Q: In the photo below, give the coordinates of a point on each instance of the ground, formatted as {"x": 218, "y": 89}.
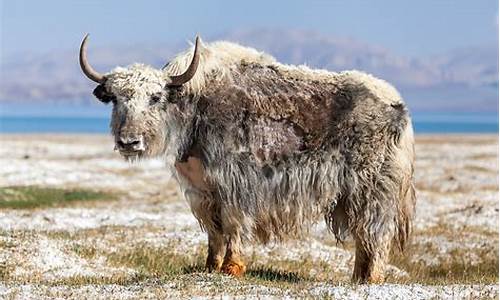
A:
{"x": 76, "y": 221}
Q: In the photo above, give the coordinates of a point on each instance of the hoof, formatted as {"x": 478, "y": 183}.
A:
{"x": 374, "y": 278}
{"x": 234, "y": 268}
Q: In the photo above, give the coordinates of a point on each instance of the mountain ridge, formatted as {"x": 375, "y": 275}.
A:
{"x": 460, "y": 79}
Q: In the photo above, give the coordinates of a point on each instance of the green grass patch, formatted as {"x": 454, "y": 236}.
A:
{"x": 26, "y": 197}
{"x": 159, "y": 262}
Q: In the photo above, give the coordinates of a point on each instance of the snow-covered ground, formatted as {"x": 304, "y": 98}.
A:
{"x": 457, "y": 213}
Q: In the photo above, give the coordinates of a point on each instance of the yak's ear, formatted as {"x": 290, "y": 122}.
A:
{"x": 103, "y": 95}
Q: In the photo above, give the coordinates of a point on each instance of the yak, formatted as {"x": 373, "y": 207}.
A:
{"x": 262, "y": 149}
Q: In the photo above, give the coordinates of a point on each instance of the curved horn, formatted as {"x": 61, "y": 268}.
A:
{"x": 86, "y": 67}
{"x": 178, "y": 80}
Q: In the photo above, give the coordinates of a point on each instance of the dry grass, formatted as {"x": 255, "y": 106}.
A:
{"x": 453, "y": 270}
{"x": 5, "y": 269}
{"x": 167, "y": 262}
{"x": 454, "y": 266}
{"x": 480, "y": 169}
{"x": 118, "y": 279}
{"x": 5, "y": 272}
{"x": 183, "y": 271}
{"x": 484, "y": 156}
{"x": 157, "y": 262}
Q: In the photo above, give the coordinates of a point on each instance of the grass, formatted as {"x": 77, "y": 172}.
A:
{"x": 118, "y": 279}
{"x": 167, "y": 262}
{"x": 83, "y": 251}
{"x": 4, "y": 272}
{"x": 5, "y": 268}
{"x": 271, "y": 274}
{"x": 171, "y": 263}
{"x": 163, "y": 264}
{"x": 158, "y": 262}
{"x": 304, "y": 270}
{"x": 27, "y": 197}
{"x": 453, "y": 270}
{"x": 456, "y": 267}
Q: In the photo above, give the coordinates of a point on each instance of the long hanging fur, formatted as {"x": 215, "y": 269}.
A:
{"x": 280, "y": 145}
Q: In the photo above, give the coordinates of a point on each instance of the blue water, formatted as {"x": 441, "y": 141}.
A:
{"x": 423, "y": 123}
{"x": 54, "y": 124}
{"x": 455, "y": 122}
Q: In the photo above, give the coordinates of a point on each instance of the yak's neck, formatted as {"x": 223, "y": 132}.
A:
{"x": 182, "y": 127}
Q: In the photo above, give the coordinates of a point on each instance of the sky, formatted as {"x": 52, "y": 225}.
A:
{"x": 410, "y": 28}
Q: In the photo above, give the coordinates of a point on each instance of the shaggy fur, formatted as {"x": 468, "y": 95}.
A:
{"x": 273, "y": 147}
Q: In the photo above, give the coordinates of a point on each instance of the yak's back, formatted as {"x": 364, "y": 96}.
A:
{"x": 265, "y": 94}
{"x": 305, "y": 105}
{"x": 262, "y": 104}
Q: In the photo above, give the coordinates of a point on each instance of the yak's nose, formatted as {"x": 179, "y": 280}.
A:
{"x": 130, "y": 143}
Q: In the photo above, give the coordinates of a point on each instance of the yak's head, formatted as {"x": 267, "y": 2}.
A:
{"x": 140, "y": 96}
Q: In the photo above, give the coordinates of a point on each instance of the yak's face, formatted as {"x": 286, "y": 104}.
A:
{"x": 140, "y": 97}
{"x": 138, "y": 121}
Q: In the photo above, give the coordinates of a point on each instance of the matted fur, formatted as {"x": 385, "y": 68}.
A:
{"x": 280, "y": 145}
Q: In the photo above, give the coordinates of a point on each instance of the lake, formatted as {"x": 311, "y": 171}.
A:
{"x": 423, "y": 123}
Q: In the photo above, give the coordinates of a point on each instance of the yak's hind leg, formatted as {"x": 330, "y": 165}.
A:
{"x": 233, "y": 264}
{"x": 374, "y": 231}
{"x": 372, "y": 234}
{"x": 371, "y": 258}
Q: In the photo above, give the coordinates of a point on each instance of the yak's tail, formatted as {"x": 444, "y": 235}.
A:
{"x": 405, "y": 158}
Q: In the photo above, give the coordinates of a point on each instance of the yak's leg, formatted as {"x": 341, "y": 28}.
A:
{"x": 371, "y": 258}
{"x": 233, "y": 264}
{"x": 216, "y": 242}
{"x": 216, "y": 247}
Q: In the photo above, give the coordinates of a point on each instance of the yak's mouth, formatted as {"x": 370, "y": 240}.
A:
{"x": 131, "y": 153}
{"x": 132, "y": 156}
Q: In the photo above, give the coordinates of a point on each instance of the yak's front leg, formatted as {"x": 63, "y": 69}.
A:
{"x": 233, "y": 264}
{"x": 216, "y": 248}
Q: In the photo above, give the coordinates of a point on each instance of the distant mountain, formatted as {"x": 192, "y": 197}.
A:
{"x": 459, "y": 80}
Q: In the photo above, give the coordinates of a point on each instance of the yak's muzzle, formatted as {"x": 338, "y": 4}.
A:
{"x": 130, "y": 144}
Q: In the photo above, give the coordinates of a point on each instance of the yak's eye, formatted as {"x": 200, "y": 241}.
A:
{"x": 155, "y": 98}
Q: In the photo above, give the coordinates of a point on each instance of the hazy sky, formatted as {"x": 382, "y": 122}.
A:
{"x": 411, "y": 28}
